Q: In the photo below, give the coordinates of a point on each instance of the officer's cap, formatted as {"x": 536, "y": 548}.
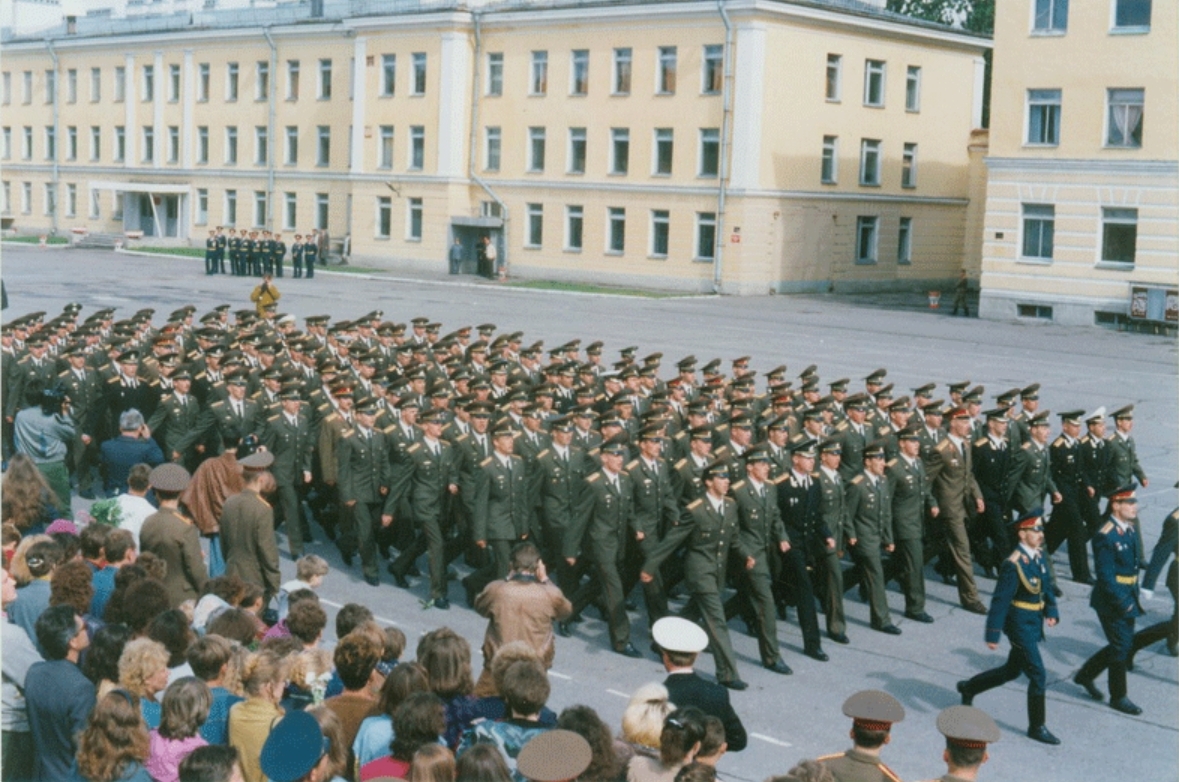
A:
{"x": 676, "y": 634}
{"x": 997, "y": 414}
{"x": 686, "y": 364}
{"x": 553, "y": 756}
{"x": 717, "y": 469}
{"x": 1007, "y": 398}
{"x": 758, "y": 453}
{"x": 856, "y": 402}
{"x": 1123, "y": 494}
{"x": 258, "y": 460}
{"x": 1095, "y": 417}
{"x": 974, "y": 395}
{"x": 831, "y": 445}
{"x": 562, "y": 424}
{"x": 876, "y": 377}
{"x": 1040, "y": 418}
{"x": 968, "y": 727}
{"x": 712, "y": 367}
{"x": 700, "y": 433}
{"x": 806, "y": 447}
{"x": 958, "y": 387}
{"x": 1028, "y": 520}
{"x": 925, "y": 391}
{"x": 873, "y": 709}
{"x": 616, "y": 445}
{"x": 1071, "y": 416}
{"x": 183, "y": 373}
{"x": 900, "y": 405}
{"x": 1031, "y": 392}
{"x": 908, "y": 433}
{"x": 169, "y": 477}
{"x": 293, "y": 748}
{"x": 874, "y": 451}
{"x": 839, "y": 385}
{"x": 1126, "y": 412}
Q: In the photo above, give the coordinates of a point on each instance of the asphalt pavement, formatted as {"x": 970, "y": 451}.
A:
{"x": 789, "y": 718}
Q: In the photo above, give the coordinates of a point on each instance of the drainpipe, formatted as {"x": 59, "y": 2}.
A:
{"x": 725, "y": 142}
{"x": 271, "y": 141}
{"x": 56, "y": 136}
{"x": 476, "y": 92}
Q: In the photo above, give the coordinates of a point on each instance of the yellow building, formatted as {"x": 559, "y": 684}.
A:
{"x": 748, "y": 146}
{"x": 1083, "y": 182}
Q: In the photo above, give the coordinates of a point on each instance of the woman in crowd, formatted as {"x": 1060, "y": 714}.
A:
{"x": 41, "y": 559}
{"x": 333, "y": 730}
{"x": 172, "y": 630}
{"x": 432, "y": 763}
{"x": 642, "y": 721}
{"x": 114, "y": 745}
{"x": 28, "y": 501}
{"x": 482, "y": 763}
{"x": 609, "y": 758}
{"x": 376, "y": 732}
{"x": 446, "y": 656}
{"x": 683, "y": 730}
{"x": 143, "y": 672}
{"x": 417, "y": 722}
{"x": 102, "y": 658}
{"x": 143, "y": 601}
{"x": 185, "y": 709}
{"x": 72, "y": 584}
{"x": 250, "y": 721}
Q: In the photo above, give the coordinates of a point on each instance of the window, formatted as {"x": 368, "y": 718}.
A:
{"x": 26, "y": 150}
{"x": 1119, "y": 235}
{"x": 50, "y": 198}
{"x": 579, "y": 72}
{"x": 1131, "y": 15}
{"x": 1039, "y": 225}
{"x": 384, "y": 227}
{"x": 616, "y": 238}
{"x": 202, "y": 147}
{"x": 664, "y": 147}
{"x": 665, "y": 84}
{"x": 619, "y": 150}
{"x": 574, "y": 222}
{"x": 50, "y": 143}
{"x": 231, "y": 145}
{"x": 95, "y": 205}
{"x": 149, "y": 144}
{"x": 834, "y": 76}
{"x": 173, "y": 83}
{"x": 325, "y": 79}
{"x": 829, "y": 173}
{"x": 149, "y": 83}
{"x": 120, "y": 151}
{"x": 321, "y": 211}
{"x": 261, "y": 145}
{"x": 866, "y": 239}
{"x": 388, "y": 78}
{"x": 909, "y": 166}
{"x": 419, "y": 73}
{"x": 117, "y": 206}
{"x": 231, "y": 81}
{"x": 6, "y": 98}
{"x": 6, "y": 194}
{"x": 95, "y": 85}
{"x": 202, "y": 206}
{"x": 1044, "y": 117}
{"x": 260, "y": 208}
{"x": 1125, "y": 118}
{"x": 913, "y": 88}
{"x": 323, "y": 145}
{"x": 538, "y": 83}
{"x": 709, "y": 152}
{"x": 660, "y": 232}
{"x": 6, "y": 151}
{"x": 414, "y": 220}
{"x": 120, "y": 84}
{"x": 261, "y": 80}
{"x": 1050, "y": 16}
{"x": 576, "y": 151}
{"x": 622, "y": 67}
{"x": 72, "y": 142}
{"x": 705, "y": 236}
{"x": 417, "y": 147}
{"x": 230, "y": 207}
{"x": 72, "y": 85}
{"x": 202, "y": 95}
{"x": 292, "y": 151}
{"x": 712, "y": 73}
{"x": 536, "y": 150}
{"x": 292, "y": 79}
{"x": 173, "y": 143}
{"x": 495, "y": 73}
{"x": 290, "y": 210}
{"x": 874, "y": 83}
{"x": 535, "y": 236}
{"x": 491, "y": 150}
{"x": 50, "y": 86}
{"x": 385, "y": 147}
{"x": 905, "y": 241}
{"x": 27, "y": 87}
{"x": 1033, "y": 311}
{"x": 869, "y": 161}
{"x": 26, "y": 197}
{"x": 95, "y": 142}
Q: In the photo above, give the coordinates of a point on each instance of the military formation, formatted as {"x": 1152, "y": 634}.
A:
{"x": 399, "y": 440}
{"x": 258, "y": 253}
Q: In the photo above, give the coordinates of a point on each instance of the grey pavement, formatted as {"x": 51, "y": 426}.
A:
{"x": 794, "y": 717}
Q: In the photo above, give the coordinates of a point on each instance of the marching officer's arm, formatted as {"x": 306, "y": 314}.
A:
{"x": 583, "y": 512}
{"x": 345, "y": 479}
{"x": 482, "y": 500}
{"x": 1006, "y": 587}
{"x": 402, "y": 478}
{"x": 674, "y": 538}
{"x": 1017, "y": 465}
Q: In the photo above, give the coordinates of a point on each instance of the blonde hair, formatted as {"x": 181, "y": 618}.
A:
{"x": 232, "y": 680}
{"x": 642, "y": 721}
{"x": 308, "y": 665}
{"x": 19, "y": 567}
{"x": 142, "y": 658}
{"x": 261, "y": 669}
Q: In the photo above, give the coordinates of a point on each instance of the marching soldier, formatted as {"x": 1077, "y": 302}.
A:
{"x": 1094, "y": 468}
{"x": 290, "y": 436}
{"x": 870, "y": 509}
{"x": 364, "y": 475}
{"x": 958, "y": 497}
{"x": 176, "y": 423}
{"x": 1067, "y": 522}
{"x": 799, "y": 503}
{"x": 833, "y": 511}
{"x": 556, "y": 485}
{"x": 991, "y": 457}
{"x": 911, "y": 499}
{"x": 85, "y": 397}
{"x": 502, "y": 509}
{"x": 655, "y": 512}
{"x": 1124, "y": 468}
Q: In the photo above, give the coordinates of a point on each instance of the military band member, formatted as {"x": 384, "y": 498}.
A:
{"x": 1023, "y": 601}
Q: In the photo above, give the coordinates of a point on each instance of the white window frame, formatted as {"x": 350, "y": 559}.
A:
{"x": 203, "y": 78}
{"x": 829, "y": 164}
{"x": 229, "y": 207}
{"x": 622, "y": 71}
{"x": 388, "y": 77}
{"x": 1111, "y": 105}
{"x": 870, "y": 162}
{"x": 867, "y": 252}
{"x": 579, "y": 72}
{"x": 71, "y": 151}
{"x": 536, "y": 144}
{"x": 913, "y": 89}
{"x": 414, "y": 206}
{"x": 538, "y": 73}
{"x": 72, "y": 85}
{"x": 119, "y": 151}
{"x": 291, "y": 145}
{"x": 148, "y": 83}
{"x": 293, "y": 78}
{"x": 232, "y": 82}
{"x": 534, "y": 226}
{"x": 666, "y": 70}
{"x": 95, "y": 204}
{"x": 574, "y": 212}
{"x": 419, "y": 74}
{"x": 1117, "y": 215}
{"x": 71, "y": 201}
{"x": 1038, "y": 214}
{"x": 260, "y": 208}
{"x": 1049, "y": 17}
{"x": 417, "y": 148}
{"x": 704, "y": 221}
{"x": 493, "y": 147}
{"x": 663, "y": 136}
{"x": 261, "y": 80}
{"x": 712, "y": 63}
{"x": 95, "y": 143}
{"x": 174, "y": 83}
{"x": 231, "y": 141}
{"x": 322, "y": 211}
{"x": 95, "y": 85}
{"x": 495, "y": 74}
{"x": 200, "y": 214}
{"x": 905, "y": 241}
{"x": 383, "y": 218}
{"x": 323, "y": 84}
{"x": 173, "y": 144}
{"x": 323, "y": 144}
{"x": 660, "y": 223}
{"x": 1039, "y": 102}
{"x": 577, "y": 137}
{"x": 385, "y": 136}
{"x": 615, "y": 218}
{"x": 149, "y": 144}
{"x": 290, "y": 210}
{"x": 709, "y": 138}
{"x": 909, "y": 165}
{"x": 202, "y": 144}
{"x": 833, "y": 78}
{"x": 619, "y": 151}
{"x": 120, "y": 91}
{"x": 875, "y": 71}
{"x": 261, "y": 145}
{"x": 1115, "y": 27}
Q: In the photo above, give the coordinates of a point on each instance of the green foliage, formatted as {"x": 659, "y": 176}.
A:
{"x": 107, "y": 512}
{"x": 977, "y": 16}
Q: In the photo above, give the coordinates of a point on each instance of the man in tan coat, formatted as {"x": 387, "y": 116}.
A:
{"x": 247, "y": 527}
{"x": 174, "y": 538}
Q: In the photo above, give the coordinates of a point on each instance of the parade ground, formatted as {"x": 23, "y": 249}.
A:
{"x": 789, "y": 718}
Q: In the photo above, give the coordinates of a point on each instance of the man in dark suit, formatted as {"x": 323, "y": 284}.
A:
{"x": 680, "y": 642}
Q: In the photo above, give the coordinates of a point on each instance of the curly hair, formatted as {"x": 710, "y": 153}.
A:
{"x": 446, "y": 656}
{"x": 142, "y": 659}
{"x": 306, "y": 621}
{"x": 229, "y": 588}
{"x": 356, "y": 656}
{"x": 584, "y": 721}
{"x": 512, "y": 652}
{"x": 154, "y": 566}
{"x": 642, "y": 721}
{"x": 26, "y": 495}
{"x": 233, "y": 624}
{"x": 72, "y": 585}
{"x": 115, "y": 735}
{"x": 143, "y": 601}
{"x": 102, "y": 658}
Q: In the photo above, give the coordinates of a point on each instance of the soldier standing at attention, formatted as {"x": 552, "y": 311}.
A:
{"x": 297, "y": 257}
{"x": 968, "y": 731}
{"x": 310, "y": 254}
{"x": 279, "y": 251}
{"x": 873, "y": 714}
{"x": 1023, "y": 600}
{"x": 1115, "y": 599}
{"x": 211, "y": 253}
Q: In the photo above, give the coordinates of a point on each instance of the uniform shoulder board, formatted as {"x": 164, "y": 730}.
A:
{"x": 593, "y": 477}
{"x": 1106, "y": 528}
{"x": 721, "y": 427}
{"x": 694, "y": 504}
{"x": 784, "y": 476}
{"x": 1085, "y": 440}
{"x": 1026, "y": 445}
{"x": 486, "y": 461}
{"x": 594, "y": 451}
{"x": 858, "y": 479}
{"x": 633, "y": 463}
{"x": 884, "y": 430}
{"x": 841, "y": 426}
{"x": 680, "y": 463}
{"x": 63, "y": 373}
{"x": 1109, "y": 438}
{"x": 816, "y": 474}
{"x": 737, "y": 485}
{"x": 944, "y": 445}
{"x": 389, "y": 429}
{"x": 413, "y": 448}
{"x": 272, "y": 417}
{"x": 1059, "y": 442}
{"x": 344, "y": 435}
{"x": 461, "y": 437}
{"x": 542, "y": 453}
{"x": 980, "y": 442}
{"x": 829, "y": 757}
{"x": 321, "y": 406}
{"x": 114, "y": 379}
{"x": 1014, "y": 556}
{"x": 153, "y": 382}
{"x": 331, "y": 417}
{"x": 888, "y": 773}
{"x": 217, "y": 404}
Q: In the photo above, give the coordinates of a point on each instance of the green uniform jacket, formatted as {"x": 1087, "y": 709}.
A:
{"x": 85, "y": 398}
{"x": 1123, "y": 462}
{"x": 953, "y": 480}
{"x": 707, "y": 537}
{"x": 363, "y": 466}
{"x": 424, "y": 479}
{"x": 332, "y": 429}
{"x": 220, "y": 418}
{"x": 1030, "y": 476}
{"x": 603, "y": 518}
{"x": 833, "y": 509}
{"x": 556, "y": 488}
{"x": 911, "y": 496}
{"x": 176, "y": 541}
{"x": 852, "y": 443}
{"x": 760, "y": 522}
{"x": 857, "y": 766}
{"x": 501, "y": 500}
{"x": 292, "y": 446}
{"x": 685, "y": 478}
{"x": 655, "y": 499}
{"x": 247, "y": 540}
{"x": 869, "y": 504}
{"x": 176, "y": 425}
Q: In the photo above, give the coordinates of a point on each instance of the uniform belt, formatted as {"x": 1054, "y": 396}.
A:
{"x": 1128, "y": 580}
{"x": 1027, "y": 606}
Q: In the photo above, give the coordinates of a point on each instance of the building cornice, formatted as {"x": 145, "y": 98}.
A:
{"x": 825, "y": 195}
{"x": 1084, "y": 166}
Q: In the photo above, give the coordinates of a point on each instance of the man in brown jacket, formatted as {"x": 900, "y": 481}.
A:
{"x": 173, "y": 538}
{"x": 247, "y": 528}
{"x": 521, "y": 607}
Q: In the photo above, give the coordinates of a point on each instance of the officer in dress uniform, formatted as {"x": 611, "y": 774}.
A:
{"x": 1124, "y": 468}
{"x": 211, "y": 253}
{"x": 873, "y": 713}
{"x": 1022, "y": 601}
{"x": 968, "y": 731}
{"x": 290, "y": 436}
{"x": 1115, "y": 599}
{"x": 364, "y": 471}
{"x": 911, "y": 500}
{"x": 1094, "y": 468}
{"x": 870, "y": 508}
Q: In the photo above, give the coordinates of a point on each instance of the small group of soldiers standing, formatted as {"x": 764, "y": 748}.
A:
{"x": 254, "y": 253}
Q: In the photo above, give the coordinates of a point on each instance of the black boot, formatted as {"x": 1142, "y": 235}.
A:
{"x": 1036, "y": 728}
{"x": 1117, "y": 690}
{"x": 966, "y": 693}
